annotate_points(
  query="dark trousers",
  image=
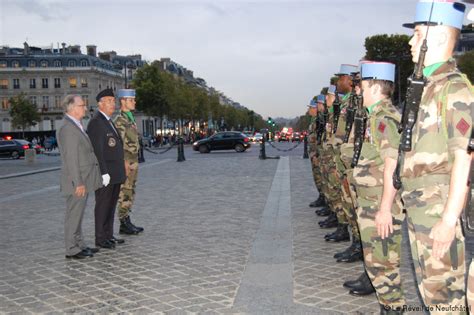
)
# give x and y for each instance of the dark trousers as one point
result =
(105, 203)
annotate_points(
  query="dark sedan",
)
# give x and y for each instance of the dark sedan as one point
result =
(229, 140)
(14, 148)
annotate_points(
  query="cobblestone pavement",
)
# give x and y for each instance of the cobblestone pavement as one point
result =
(224, 233)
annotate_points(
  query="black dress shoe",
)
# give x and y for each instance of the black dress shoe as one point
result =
(341, 234)
(106, 244)
(365, 288)
(80, 255)
(350, 284)
(323, 212)
(93, 250)
(352, 256)
(117, 240)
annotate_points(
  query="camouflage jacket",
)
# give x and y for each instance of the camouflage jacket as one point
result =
(129, 133)
(338, 137)
(444, 126)
(312, 135)
(381, 141)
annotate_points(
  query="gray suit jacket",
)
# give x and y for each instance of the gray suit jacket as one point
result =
(79, 163)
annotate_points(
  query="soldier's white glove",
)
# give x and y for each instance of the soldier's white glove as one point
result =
(105, 179)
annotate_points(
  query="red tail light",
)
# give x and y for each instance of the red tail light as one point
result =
(246, 139)
(25, 146)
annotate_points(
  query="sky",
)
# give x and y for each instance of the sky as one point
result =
(270, 56)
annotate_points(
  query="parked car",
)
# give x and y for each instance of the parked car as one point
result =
(14, 148)
(229, 140)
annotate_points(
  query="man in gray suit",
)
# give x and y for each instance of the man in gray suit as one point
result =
(80, 174)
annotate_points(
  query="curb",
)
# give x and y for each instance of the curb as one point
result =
(43, 170)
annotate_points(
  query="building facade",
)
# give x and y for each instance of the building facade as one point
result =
(46, 75)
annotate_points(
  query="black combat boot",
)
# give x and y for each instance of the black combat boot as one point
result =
(320, 202)
(347, 250)
(355, 254)
(323, 212)
(387, 310)
(126, 228)
(350, 284)
(330, 222)
(340, 235)
(137, 228)
(363, 288)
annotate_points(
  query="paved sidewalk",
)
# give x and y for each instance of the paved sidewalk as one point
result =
(224, 233)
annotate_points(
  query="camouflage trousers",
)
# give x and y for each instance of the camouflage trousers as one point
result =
(333, 185)
(348, 195)
(317, 176)
(127, 192)
(470, 288)
(381, 257)
(440, 282)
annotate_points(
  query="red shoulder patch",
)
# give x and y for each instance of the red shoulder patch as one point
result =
(463, 126)
(381, 127)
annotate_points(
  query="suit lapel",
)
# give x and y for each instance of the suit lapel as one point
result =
(69, 120)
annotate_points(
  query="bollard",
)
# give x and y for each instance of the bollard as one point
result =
(30, 156)
(141, 156)
(181, 157)
(262, 155)
(305, 154)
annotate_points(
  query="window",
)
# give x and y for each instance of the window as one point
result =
(45, 101)
(57, 63)
(33, 100)
(4, 84)
(16, 83)
(83, 63)
(32, 83)
(3, 64)
(15, 64)
(32, 64)
(83, 82)
(71, 63)
(57, 83)
(72, 82)
(44, 83)
(85, 98)
(44, 64)
(57, 101)
(5, 104)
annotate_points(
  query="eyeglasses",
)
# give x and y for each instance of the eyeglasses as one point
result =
(81, 105)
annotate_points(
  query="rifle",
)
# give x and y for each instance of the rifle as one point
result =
(416, 84)
(360, 126)
(322, 118)
(467, 217)
(337, 111)
(351, 109)
(325, 120)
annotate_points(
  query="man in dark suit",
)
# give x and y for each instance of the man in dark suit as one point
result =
(108, 148)
(80, 174)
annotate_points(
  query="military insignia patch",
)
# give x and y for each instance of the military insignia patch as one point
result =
(112, 142)
(381, 127)
(463, 126)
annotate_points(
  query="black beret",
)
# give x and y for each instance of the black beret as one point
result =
(104, 93)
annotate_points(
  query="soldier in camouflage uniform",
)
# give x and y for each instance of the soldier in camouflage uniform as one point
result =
(378, 159)
(470, 287)
(318, 181)
(127, 128)
(434, 173)
(349, 204)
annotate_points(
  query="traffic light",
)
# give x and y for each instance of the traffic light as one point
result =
(269, 120)
(273, 124)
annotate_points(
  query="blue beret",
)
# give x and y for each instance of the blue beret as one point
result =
(321, 98)
(445, 12)
(377, 71)
(126, 93)
(312, 103)
(332, 90)
(346, 69)
(104, 93)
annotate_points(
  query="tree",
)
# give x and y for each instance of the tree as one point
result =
(24, 113)
(466, 64)
(395, 49)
